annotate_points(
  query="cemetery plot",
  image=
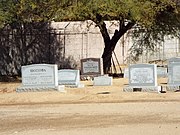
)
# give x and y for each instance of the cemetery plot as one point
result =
(161, 72)
(143, 77)
(172, 67)
(69, 77)
(102, 81)
(39, 76)
(173, 75)
(91, 67)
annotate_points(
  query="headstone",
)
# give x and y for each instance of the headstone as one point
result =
(69, 77)
(170, 67)
(161, 72)
(91, 67)
(102, 81)
(39, 77)
(173, 74)
(143, 77)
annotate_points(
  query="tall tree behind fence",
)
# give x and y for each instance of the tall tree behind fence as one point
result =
(29, 44)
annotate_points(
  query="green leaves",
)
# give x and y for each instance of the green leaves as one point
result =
(155, 16)
(144, 12)
(29, 10)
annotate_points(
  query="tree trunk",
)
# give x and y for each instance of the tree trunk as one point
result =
(107, 56)
(110, 43)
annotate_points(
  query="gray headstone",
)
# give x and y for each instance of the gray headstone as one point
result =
(171, 65)
(161, 72)
(38, 77)
(91, 67)
(173, 74)
(102, 81)
(69, 77)
(144, 77)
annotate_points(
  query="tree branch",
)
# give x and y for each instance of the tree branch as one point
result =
(102, 26)
(124, 28)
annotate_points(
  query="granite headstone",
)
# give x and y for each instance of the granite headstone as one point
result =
(91, 67)
(143, 77)
(69, 77)
(39, 77)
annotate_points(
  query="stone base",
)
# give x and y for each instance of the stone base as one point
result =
(60, 88)
(143, 89)
(173, 88)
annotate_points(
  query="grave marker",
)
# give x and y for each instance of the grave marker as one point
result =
(143, 77)
(170, 67)
(161, 72)
(91, 67)
(102, 81)
(39, 77)
(173, 75)
(69, 77)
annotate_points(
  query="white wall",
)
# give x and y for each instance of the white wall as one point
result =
(83, 40)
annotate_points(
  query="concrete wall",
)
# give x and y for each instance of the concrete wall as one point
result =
(83, 40)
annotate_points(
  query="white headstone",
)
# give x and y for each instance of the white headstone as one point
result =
(102, 81)
(173, 74)
(143, 76)
(171, 65)
(161, 72)
(39, 77)
(69, 77)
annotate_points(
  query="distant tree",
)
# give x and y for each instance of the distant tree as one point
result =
(154, 18)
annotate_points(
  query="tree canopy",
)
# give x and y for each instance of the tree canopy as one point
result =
(150, 19)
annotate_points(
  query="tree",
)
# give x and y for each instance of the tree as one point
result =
(154, 18)
(5, 14)
(166, 23)
(25, 35)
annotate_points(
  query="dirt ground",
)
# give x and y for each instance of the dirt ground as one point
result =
(92, 110)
